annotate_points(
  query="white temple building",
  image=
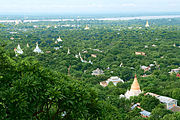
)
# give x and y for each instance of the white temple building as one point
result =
(114, 80)
(97, 72)
(135, 89)
(154, 45)
(147, 24)
(175, 70)
(169, 102)
(12, 38)
(56, 48)
(90, 62)
(37, 49)
(18, 50)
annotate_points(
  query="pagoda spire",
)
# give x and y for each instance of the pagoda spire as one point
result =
(86, 28)
(147, 24)
(135, 85)
(68, 51)
(135, 89)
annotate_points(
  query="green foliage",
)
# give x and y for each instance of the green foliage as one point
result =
(174, 116)
(35, 86)
(158, 113)
(149, 103)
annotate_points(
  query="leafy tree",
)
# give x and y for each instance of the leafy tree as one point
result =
(149, 102)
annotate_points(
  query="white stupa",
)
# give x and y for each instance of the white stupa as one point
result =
(76, 56)
(135, 89)
(59, 39)
(68, 51)
(121, 64)
(17, 22)
(147, 24)
(27, 45)
(18, 50)
(86, 28)
(37, 49)
(174, 45)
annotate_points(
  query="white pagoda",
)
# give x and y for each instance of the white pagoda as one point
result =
(147, 24)
(18, 50)
(86, 28)
(113, 79)
(97, 72)
(121, 64)
(77, 56)
(27, 45)
(17, 22)
(59, 39)
(135, 89)
(37, 49)
(68, 51)
(174, 45)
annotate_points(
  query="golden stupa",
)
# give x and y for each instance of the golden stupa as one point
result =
(135, 89)
(135, 85)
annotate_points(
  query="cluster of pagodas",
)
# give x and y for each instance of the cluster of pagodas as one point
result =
(19, 51)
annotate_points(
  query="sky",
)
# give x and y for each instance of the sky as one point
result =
(87, 6)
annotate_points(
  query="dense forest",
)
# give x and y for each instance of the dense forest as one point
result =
(57, 85)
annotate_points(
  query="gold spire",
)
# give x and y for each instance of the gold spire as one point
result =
(86, 28)
(147, 24)
(135, 85)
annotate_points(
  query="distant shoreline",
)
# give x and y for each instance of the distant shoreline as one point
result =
(142, 17)
(99, 18)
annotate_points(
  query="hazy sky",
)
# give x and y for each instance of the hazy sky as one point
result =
(88, 6)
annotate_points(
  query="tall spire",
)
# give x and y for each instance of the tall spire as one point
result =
(135, 85)
(86, 28)
(147, 24)
(135, 89)
(68, 51)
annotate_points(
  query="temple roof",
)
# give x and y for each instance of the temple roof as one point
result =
(135, 85)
